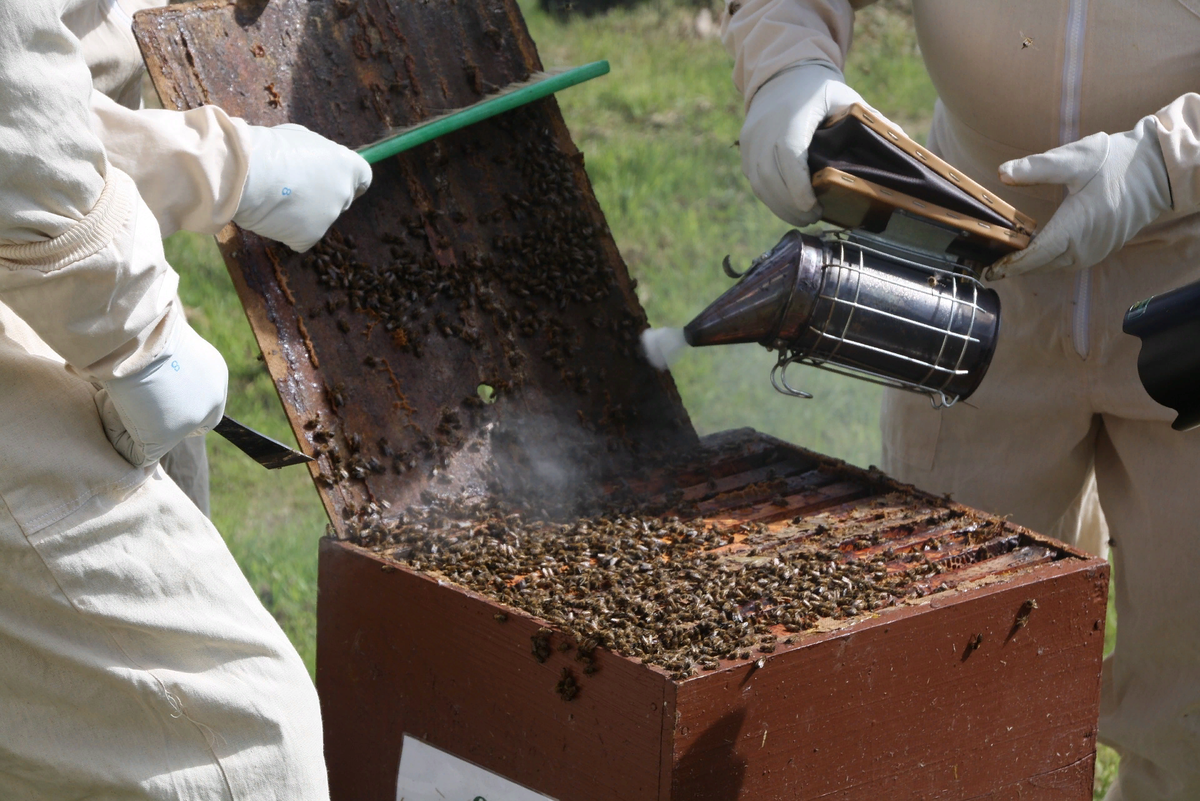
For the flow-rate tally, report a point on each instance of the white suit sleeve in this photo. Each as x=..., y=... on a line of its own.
x=1179, y=136
x=189, y=166
x=105, y=31
x=766, y=36
x=81, y=257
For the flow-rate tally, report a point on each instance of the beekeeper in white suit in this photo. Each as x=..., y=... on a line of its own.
x=1081, y=115
x=135, y=661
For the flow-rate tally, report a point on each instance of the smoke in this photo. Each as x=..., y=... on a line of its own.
x=550, y=466
x=663, y=346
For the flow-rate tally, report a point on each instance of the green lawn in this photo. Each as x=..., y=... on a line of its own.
x=658, y=135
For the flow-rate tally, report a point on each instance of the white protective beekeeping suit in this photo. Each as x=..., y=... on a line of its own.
x=1061, y=401
x=135, y=660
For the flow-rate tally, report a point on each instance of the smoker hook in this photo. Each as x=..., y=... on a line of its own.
x=939, y=400
x=728, y=268
x=779, y=376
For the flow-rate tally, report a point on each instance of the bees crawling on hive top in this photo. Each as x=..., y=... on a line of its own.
x=679, y=594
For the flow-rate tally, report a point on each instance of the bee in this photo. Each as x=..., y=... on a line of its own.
x=1024, y=612
x=972, y=645
x=567, y=686
x=541, y=644
x=336, y=395
x=1022, y=619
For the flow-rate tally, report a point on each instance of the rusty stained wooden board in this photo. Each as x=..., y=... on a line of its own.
x=479, y=259
x=969, y=691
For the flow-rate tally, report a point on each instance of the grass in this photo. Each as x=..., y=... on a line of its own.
x=1106, y=758
x=658, y=135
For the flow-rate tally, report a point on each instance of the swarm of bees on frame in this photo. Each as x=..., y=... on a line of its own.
x=664, y=590
x=516, y=276
x=537, y=250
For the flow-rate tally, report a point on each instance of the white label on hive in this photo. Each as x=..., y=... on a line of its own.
x=429, y=774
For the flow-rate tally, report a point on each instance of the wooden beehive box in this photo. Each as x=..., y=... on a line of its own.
x=482, y=259
x=983, y=683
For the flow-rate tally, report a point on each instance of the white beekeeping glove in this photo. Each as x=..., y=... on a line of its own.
x=779, y=126
x=182, y=392
x=1116, y=185
x=298, y=184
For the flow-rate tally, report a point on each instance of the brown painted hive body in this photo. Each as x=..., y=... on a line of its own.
x=961, y=659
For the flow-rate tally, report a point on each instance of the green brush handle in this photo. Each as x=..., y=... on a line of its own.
x=470, y=115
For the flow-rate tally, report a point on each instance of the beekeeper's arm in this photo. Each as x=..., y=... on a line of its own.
x=81, y=258
x=788, y=59
x=197, y=170
x=1116, y=185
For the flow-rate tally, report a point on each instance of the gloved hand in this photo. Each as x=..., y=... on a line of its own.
x=298, y=183
x=779, y=125
x=1116, y=185
x=182, y=392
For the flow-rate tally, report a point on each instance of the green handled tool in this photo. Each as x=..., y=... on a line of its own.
x=539, y=85
x=273, y=454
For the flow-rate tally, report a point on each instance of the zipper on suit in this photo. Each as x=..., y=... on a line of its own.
x=1069, y=132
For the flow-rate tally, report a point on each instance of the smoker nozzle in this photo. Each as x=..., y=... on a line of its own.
x=753, y=309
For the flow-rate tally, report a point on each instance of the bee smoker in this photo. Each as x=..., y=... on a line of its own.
x=1169, y=361
x=895, y=297
x=864, y=307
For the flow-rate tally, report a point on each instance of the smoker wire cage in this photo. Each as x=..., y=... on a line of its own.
x=897, y=317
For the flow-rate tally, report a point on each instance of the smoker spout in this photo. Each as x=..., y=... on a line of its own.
x=754, y=309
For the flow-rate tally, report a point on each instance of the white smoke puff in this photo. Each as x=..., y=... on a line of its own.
x=663, y=346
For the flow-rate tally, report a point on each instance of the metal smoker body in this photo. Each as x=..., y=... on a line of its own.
x=864, y=307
